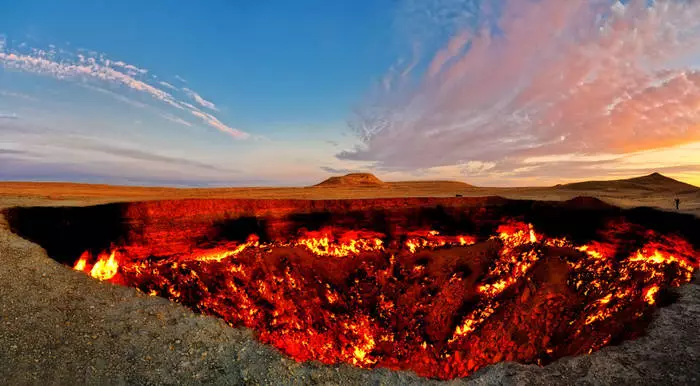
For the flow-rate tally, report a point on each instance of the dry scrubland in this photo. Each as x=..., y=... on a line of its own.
x=58, y=326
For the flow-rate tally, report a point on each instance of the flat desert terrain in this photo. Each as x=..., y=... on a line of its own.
x=654, y=190
x=58, y=326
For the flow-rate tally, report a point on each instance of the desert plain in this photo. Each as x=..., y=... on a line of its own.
x=58, y=326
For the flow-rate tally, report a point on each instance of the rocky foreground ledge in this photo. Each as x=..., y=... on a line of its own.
x=58, y=326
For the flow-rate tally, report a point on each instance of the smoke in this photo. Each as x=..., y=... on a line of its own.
x=527, y=78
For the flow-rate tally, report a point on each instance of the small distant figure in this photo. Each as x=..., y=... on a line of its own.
x=678, y=203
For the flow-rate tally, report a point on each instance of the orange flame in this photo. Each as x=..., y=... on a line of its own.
x=105, y=268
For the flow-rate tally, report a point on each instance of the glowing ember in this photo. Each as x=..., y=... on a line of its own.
x=442, y=306
x=650, y=293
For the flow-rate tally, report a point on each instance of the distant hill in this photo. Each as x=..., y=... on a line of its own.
x=370, y=180
x=352, y=179
x=654, y=182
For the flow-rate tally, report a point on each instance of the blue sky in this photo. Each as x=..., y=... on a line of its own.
x=306, y=59
x=287, y=93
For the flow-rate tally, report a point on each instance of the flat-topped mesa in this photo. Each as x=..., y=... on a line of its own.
x=353, y=179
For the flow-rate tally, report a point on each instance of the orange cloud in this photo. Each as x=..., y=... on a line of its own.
x=549, y=77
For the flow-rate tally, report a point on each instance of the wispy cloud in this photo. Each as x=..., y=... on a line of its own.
x=541, y=78
x=333, y=170
x=18, y=95
x=101, y=70
x=167, y=85
x=214, y=122
x=12, y=152
x=41, y=144
x=175, y=119
x=201, y=101
x=142, y=155
x=137, y=104
x=8, y=115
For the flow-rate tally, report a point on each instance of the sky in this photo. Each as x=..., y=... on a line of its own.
x=287, y=93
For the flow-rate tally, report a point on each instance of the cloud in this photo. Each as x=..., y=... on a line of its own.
x=42, y=144
x=543, y=78
x=21, y=170
x=214, y=122
x=167, y=85
x=117, y=96
x=131, y=69
x=201, y=101
x=339, y=170
x=12, y=152
x=141, y=155
x=8, y=116
x=101, y=71
x=17, y=95
x=137, y=104
x=177, y=120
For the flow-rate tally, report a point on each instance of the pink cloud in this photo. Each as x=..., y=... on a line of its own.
x=557, y=78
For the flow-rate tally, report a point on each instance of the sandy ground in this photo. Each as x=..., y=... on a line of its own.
x=23, y=193
x=61, y=327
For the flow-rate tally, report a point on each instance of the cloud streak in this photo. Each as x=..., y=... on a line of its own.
x=167, y=85
x=28, y=144
x=8, y=116
x=100, y=70
x=201, y=101
x=546, y=77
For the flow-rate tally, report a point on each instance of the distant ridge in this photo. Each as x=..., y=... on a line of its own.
x=654, y=182
x=352, y=179
x=361, y=180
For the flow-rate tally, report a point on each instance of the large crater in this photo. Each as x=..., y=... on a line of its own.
x=441, y=287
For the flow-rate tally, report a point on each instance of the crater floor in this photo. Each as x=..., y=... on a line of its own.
x=61, y=326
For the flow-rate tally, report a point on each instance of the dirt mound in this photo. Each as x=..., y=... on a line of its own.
x=655, y=182
x=353, y=179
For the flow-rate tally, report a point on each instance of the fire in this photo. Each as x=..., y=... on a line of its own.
x=649, y=294
x=440, y=305
x=219, y=255
x=323, y=243
x=82, y=262
x=105, y=268
x=433, y=239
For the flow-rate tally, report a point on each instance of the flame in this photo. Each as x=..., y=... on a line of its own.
x=105, y=268
x=81, y=264
x=649, y=294
x=349, y=296
x=219, y=255
x=323, y=243
x=432, y=239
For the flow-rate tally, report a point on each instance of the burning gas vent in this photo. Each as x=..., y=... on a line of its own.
x=439, y=287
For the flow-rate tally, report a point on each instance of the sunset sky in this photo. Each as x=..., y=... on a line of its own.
x=277, y=92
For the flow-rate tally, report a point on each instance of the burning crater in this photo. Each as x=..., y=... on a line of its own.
x=441, y=287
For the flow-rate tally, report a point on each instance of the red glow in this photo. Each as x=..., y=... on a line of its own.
x=442, y=306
